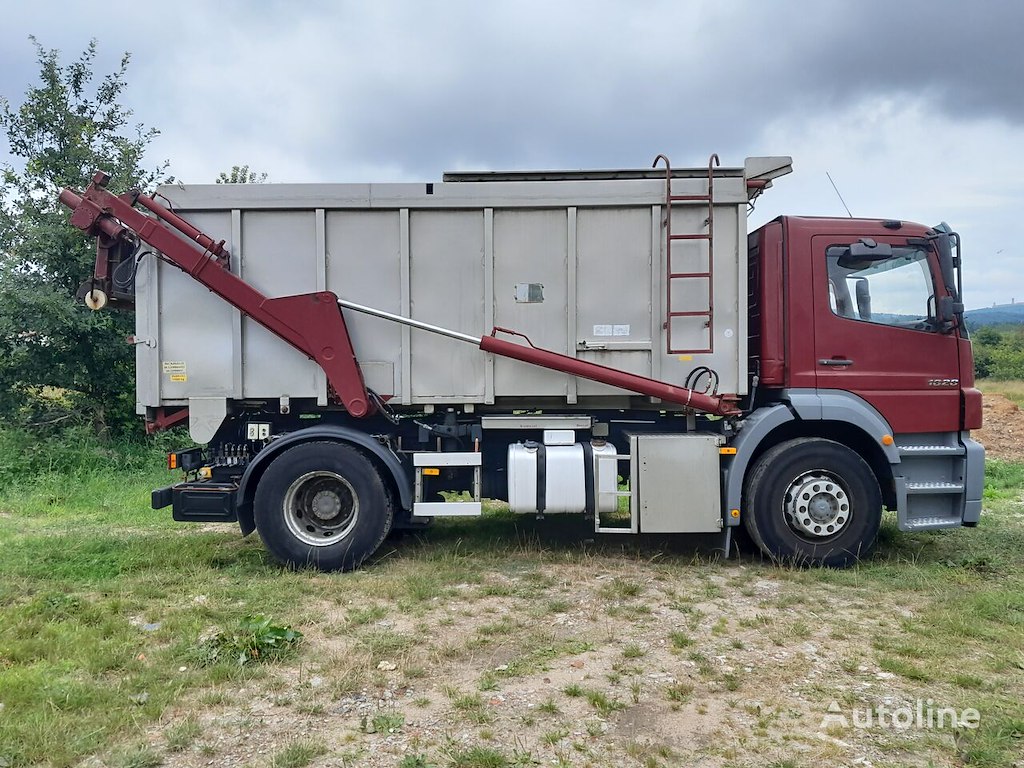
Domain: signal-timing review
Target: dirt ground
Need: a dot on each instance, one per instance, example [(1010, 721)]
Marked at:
[(1002, 432), (601, 663), (614, 669)]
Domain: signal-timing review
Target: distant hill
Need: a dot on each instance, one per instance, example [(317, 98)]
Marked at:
[(1004, 314)]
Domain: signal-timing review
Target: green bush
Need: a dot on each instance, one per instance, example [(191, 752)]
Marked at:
[(26, 455), (999, 352)]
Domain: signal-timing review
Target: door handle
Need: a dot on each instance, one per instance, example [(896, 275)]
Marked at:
[(835, 361)]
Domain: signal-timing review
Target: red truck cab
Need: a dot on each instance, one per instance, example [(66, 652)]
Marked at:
[(857, 327)]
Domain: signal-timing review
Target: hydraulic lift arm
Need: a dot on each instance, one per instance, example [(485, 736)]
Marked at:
[(310, 322)]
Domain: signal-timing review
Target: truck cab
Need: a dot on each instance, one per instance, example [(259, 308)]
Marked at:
[(859, 322)]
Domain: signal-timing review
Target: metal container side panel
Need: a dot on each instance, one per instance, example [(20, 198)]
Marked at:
[(278, 257), (446, 270), (613, 291), (193, 329), (363, 263), (602, 268), (531, 249)]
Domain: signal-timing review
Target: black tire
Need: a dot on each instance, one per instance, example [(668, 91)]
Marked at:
[(812, 501), (336, 481)]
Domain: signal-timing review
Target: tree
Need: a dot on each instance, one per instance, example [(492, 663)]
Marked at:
[(60, 362), (240, 174)]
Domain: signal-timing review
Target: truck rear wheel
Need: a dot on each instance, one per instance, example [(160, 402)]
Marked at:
[(322, 505), (812, 501)]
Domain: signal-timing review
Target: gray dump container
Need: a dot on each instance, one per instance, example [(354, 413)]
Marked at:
[(577, 261)]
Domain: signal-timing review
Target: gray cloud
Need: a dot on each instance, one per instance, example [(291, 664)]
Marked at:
[(915, 91)]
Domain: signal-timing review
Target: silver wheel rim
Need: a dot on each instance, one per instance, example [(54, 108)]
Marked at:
[(320, 508), (817, 505)]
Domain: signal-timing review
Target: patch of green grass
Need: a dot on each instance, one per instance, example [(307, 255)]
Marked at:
[(471, 706), (503, 627), (634, 651), (383, 643), (680, 639), (1003, 479), (182, 734), (558, 606), (549, 707), (620, 589), (551, 738), (903, 668), (479, 757), (539, 650), (298, 754), (602, 702), (138, 756), (679, 692), (366, 615)]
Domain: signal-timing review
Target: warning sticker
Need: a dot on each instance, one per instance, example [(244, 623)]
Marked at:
[(179, 377), (173, 366)]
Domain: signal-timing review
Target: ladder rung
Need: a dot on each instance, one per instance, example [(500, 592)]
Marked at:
[(704, 313), (674, 275), (690, 198), (689, 237)]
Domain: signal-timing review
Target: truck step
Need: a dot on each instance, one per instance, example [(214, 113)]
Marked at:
[(931, 450), (933, 522), (915, 488), (447, 509)]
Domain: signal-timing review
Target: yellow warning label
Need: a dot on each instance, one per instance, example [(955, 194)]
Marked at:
[(431, 471), (179, 377), (684, 358)]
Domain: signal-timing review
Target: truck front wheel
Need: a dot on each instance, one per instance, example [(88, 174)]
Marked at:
[(812, 501), (322, 505)]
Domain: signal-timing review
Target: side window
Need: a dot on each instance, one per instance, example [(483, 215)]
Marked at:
[(893, 288)]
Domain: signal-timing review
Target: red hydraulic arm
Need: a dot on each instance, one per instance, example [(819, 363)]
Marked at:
[(716, 404), (310, 322), (721, 405)]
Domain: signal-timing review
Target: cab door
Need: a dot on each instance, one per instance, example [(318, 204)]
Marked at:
[(875, 332)]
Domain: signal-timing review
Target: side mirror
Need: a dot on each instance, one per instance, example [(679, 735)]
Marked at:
[(949, 311), (863, 293)]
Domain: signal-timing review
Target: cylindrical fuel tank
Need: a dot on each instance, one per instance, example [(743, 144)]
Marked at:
[(561, 478)]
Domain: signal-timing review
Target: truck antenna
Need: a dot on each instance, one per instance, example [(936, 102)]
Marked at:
[(838, 194)]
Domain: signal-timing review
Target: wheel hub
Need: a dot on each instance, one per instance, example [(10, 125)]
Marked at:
[(817, 505), (325, 505), (320, 508)]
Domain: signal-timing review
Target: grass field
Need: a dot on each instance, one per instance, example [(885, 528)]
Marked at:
[(496, 642), (1014, 390)]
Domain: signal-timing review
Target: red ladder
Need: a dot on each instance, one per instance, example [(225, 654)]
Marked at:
[(671, 275)]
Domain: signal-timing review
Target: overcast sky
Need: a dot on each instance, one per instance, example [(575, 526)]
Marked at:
[(915, 107)]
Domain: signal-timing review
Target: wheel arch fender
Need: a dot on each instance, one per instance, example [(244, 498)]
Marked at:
[(830, 414), (756, 428), (379, 453)]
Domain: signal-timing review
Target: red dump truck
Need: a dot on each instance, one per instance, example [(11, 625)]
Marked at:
[(361, 358)]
